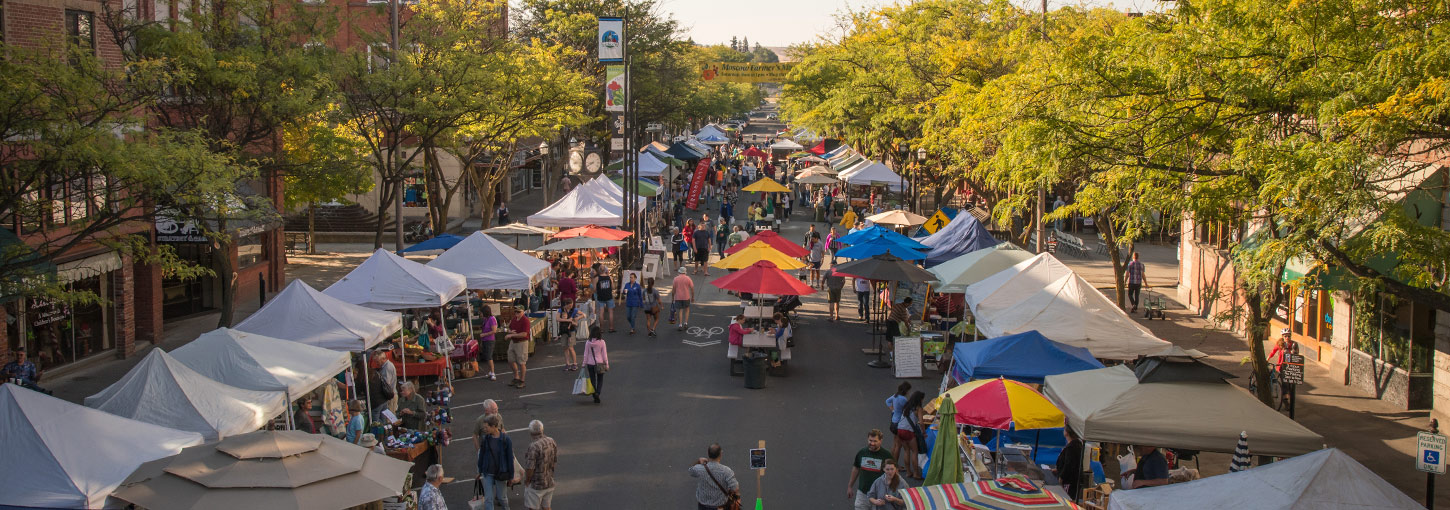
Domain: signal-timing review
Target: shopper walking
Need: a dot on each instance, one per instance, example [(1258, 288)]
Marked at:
[(571, 321), (868, 465), (908, 430), (683, 290), (495, 464), (633, 300), (596, 360), (519, 335), (604, 296), (651, 306), (897, 403), (834, 284), (882, 495), (863, 295), (715, 483), (1135, 281), (488, 327), (539, 462)]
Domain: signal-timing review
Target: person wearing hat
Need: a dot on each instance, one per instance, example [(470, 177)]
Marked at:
[(370, 442), (682, 291), (355, 422)]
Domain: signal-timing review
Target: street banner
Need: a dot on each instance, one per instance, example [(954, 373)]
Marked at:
[(614, 88), (745, 72), (611, 39), (697, 182)]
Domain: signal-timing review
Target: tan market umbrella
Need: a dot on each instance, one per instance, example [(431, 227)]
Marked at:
[(897, 217), (816, 179), (268, 470)]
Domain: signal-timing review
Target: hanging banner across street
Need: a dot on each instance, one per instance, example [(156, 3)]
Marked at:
[(745, 72), (697, 182), (614, 88), (611, 40)]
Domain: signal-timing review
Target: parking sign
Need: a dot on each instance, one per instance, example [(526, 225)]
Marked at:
[(1431, 458)]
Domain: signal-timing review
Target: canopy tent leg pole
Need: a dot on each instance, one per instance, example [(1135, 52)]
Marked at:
[(447, 363), (368, 385), (290, 424)]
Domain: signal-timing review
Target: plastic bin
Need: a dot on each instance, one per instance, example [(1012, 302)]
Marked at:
[(755, 371)]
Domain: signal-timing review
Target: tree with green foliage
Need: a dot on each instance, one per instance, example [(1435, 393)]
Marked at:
[(322, 162)]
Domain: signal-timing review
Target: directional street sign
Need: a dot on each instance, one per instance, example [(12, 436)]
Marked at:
[(1431, 457)]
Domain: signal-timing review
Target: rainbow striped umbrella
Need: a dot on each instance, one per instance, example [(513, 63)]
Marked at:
[(1007, 493)]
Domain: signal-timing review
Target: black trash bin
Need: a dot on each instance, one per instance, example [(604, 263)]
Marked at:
[(820, 214), (755, 368)]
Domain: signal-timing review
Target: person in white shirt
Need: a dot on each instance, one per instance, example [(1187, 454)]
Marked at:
[(863, 295)]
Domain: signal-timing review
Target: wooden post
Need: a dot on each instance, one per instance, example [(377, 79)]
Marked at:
[(759, 473)]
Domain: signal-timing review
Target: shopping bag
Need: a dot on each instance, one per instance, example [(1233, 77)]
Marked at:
[(476, 503), (588, 386), (581, 385)]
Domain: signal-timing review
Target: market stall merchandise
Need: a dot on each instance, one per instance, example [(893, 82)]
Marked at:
[(506, 268), (1013, 492), (266, 470), (1027, 357), (255, 362), (163, 391), (62, 455), (386, 281), (302, 314), (1111, 405), (1328, 479)]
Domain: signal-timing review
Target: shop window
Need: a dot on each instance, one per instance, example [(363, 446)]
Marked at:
[(80, 29), (54, 334), (415, 191), (1396, 330), (250, 251), (1218, 234)]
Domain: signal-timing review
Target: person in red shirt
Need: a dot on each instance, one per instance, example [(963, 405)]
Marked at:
[(518, 337), (738, 331)]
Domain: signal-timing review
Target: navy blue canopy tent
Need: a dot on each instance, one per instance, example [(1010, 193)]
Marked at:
[(681, 151), (964, 234), (1027, 357), (441, 242)]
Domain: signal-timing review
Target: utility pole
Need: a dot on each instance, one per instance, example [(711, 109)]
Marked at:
[(1038, 226), (398, 197)]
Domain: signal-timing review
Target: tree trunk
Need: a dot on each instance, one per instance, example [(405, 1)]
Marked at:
[(385, 205), (1258, 333), (1120, 273), (312, 228), (226, 277)]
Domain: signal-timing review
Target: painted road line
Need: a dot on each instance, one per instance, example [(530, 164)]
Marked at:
[(536, 394)]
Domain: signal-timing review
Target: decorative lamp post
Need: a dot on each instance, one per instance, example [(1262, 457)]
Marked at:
[(544, 168), (915, 194)]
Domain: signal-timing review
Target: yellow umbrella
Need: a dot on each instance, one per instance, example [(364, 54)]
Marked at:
[(756, 252), (766, 185)]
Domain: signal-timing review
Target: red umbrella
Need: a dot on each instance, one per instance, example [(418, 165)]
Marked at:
[(754, 153), (612, 234), (819, 149), (763, 278), (775, 241)]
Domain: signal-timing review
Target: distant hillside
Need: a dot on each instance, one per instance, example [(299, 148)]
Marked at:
[(783, 52)]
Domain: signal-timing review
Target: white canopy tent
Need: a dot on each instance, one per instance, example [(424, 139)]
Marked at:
[(386, 281), (582, 206), (710, 129), (162, 390), (699, 147), (1043, 294), (255, 362), (873, 174), (1109, 404), (1328, 479), (786, 145), (956, 274), (302, 314), (488, 264), (64, 455), (651, 166)]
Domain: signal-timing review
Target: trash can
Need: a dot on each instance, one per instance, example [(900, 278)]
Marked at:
[(755, 367), (820, 214)]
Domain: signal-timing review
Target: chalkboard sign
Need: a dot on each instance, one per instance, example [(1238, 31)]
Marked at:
[(1293, 372), (757, 458), (908, 357)]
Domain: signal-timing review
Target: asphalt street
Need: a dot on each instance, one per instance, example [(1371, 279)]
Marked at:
[(667, 398)]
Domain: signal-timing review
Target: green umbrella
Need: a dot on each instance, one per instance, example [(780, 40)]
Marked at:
[(645, 189), (944, 466)]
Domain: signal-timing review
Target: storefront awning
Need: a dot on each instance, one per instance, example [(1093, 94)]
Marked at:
[(95, 265)]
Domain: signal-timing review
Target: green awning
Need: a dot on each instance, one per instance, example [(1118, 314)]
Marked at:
[(644, 187)]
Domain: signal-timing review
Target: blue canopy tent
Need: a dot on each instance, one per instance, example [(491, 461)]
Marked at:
[(964, 234), (1028, 357), (440, 242), (877, 246), (878, 231), (713, 138)]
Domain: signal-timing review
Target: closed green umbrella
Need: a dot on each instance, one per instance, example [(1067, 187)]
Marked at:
[(644, 188), (945, 466)]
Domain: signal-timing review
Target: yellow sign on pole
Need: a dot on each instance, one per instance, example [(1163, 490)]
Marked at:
[(746, 72), (936, 222)]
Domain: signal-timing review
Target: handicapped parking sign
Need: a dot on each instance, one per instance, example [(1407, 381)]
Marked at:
[(1432, 453)]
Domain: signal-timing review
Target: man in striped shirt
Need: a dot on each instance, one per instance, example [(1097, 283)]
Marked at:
[(1135, 281)]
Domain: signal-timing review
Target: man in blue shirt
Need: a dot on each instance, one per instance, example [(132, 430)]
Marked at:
[(22, 371), (1152, 469)]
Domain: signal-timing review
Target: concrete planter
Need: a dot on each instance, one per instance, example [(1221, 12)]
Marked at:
[(1388, 382)]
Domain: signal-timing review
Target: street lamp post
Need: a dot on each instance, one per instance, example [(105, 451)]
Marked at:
[(916, 194), (544, 168)]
